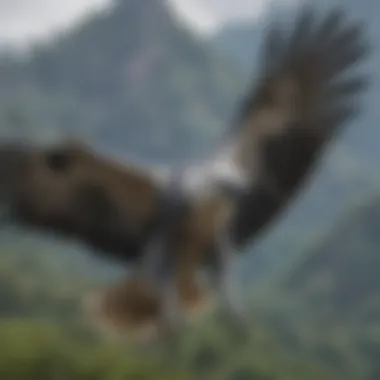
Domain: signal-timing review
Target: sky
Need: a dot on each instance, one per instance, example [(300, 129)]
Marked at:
[(23, 21), (206, 15)]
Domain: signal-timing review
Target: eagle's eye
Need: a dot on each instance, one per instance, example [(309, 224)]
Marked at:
[(58, 160)]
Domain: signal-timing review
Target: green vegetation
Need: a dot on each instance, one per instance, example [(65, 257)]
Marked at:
[(43, 337)]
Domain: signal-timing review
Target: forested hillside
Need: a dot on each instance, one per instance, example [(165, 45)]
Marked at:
[(327, 302)]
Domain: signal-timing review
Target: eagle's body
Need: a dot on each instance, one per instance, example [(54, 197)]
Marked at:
[(180, 219)]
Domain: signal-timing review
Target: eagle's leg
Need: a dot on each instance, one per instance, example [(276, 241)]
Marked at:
[(171, 317), (158, 268), (159, 263), (171, 309), (232, 302)]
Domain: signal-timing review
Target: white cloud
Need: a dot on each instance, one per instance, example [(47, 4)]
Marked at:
[(194, 14), (207, 15), (22, 21)]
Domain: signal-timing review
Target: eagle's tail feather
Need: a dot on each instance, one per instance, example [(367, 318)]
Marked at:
[(131, 309)]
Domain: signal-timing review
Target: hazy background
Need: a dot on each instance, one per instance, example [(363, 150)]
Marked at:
[(158, 82), (23, 21)]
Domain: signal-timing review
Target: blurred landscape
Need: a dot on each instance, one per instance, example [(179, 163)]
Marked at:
[(137, 84)]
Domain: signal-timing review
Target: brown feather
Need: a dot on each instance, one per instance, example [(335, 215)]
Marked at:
[(71, 190), (131, 310), (196, 235), (305, 95)]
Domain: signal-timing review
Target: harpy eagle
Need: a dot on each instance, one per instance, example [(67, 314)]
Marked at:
[(303, 96)]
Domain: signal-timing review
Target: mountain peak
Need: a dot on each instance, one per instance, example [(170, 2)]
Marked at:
[(131, 79)]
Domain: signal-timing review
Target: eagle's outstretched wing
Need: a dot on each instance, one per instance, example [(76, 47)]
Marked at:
[(73, 191), (306, 91)]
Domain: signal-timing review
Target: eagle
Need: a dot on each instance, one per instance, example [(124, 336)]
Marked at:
[(170, 226)]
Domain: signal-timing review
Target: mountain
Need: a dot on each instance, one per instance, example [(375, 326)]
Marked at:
[(328, 300), (343, 269), (240, 41), (130, 80)]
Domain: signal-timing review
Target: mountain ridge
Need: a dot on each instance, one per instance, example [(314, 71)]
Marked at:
[(146, 89)]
